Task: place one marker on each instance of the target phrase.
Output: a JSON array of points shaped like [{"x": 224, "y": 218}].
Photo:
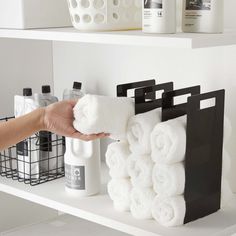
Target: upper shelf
[{"x": 133, "y": 37}]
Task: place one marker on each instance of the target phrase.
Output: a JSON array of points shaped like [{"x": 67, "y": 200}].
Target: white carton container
[
  {"x": 106, "y": 14},
  {"x": 26, "y": 14}
]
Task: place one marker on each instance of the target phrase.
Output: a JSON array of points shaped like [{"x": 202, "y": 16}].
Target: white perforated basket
[{"x": 106, "y": 14}]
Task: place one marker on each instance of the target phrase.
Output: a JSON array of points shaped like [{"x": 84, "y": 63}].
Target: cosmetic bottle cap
[
  {"x": 46, "y": 89},
  {"x": 27, "y": 92},
  {"x": 77, "y": 85}
]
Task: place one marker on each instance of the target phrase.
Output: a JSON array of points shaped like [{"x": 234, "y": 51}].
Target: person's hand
[{"x": 58, "y": 118}]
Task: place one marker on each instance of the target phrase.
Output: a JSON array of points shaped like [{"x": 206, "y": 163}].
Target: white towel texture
[
  {"x": 168, "y": 141},
  {"x": 141, "y": 202},
  {"x": 226, "y": 193},
  {"x": 226, "y": 164},
  {"x": 227, "y": 129},
  {"x": 116, "y": 158},
  {"x": 100, "y": 114},
  {"x": 139, "y": 131},
  {"x": 168, "y": 180},
  {"x": 169, "y": 211},
  {"x": 140, "y": 170},
  {"x": 119, "y": 191}
]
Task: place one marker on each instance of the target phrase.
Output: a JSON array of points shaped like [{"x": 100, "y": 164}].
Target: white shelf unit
[
  {"x": 134, "y": 38},
  {"x": 99, "y": 208}
]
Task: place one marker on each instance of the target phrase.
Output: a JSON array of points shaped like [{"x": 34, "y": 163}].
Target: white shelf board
[
  {"x": 99, "y": 209},
  {"x": 133, "y": 37}
]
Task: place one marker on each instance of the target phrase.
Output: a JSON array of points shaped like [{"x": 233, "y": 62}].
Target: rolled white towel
[
  {"x": 227, "y": 129},
  {"x": 169, "y": 211},
  {"x": 99, "y": 114},
  {"x": 168, "y": 141},
  {"x": 140, "y": 170},
  {"x": 141, "y": 202},
  {"x": 139, "y": 131},
  {"x": 116, "y": 158},
  {"x": 169, "y": 180},
  {"x": 226, "y": 164},
  {"x": 226, "y": 193},
  {"x": 119, "y": 191}
]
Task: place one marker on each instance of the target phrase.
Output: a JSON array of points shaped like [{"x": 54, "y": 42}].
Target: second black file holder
[{"x": 204, "y": 144}]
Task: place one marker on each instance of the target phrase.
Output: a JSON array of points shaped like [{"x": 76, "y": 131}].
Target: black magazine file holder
[
  {"x": 143, "y": 103},
  {"x": 203, "y": 161}
]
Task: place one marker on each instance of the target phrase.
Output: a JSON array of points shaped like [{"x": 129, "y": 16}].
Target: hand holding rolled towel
[
  {"x": 169, "y": 211},
  {"x": 140, "y": 170},
  {"x": 119, "y": 191},
  {"x": 99, "y": 114},
  {"x": 139, "y": 131},
  {"x": 116, "y": 158},
  {"x": 141, "y": 202},
  {"x": 169, "y": 180},
  {"x": 168, "y": 141}
]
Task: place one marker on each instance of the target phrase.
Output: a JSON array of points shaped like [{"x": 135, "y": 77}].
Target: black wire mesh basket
[{"x": 36, "y": 160}]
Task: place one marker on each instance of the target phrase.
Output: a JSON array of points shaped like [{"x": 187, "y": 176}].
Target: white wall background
[{"x": 23, "y": 63}]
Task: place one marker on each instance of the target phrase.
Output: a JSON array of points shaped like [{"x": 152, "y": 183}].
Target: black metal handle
[
  {"x": 122, "y": 89},
  {"x": 171, "y": 111},
  {"x": 141, "y": 94}
]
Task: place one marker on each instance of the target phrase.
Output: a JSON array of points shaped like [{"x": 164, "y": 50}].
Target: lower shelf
[
  {"x": 99, "y": 209},
  {"x": 64, "y": 225}
]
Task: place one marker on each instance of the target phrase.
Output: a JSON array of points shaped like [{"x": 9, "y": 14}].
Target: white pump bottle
[{"x": 82, "y": 160}]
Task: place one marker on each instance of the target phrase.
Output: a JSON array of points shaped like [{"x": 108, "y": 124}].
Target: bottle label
[
  {"x": 22, "y": 148},
  {"x": 153, "y": 4},
  {"x": 152, "y": 13},
  {"x": 45, "y": 140},
  {"x": 193, "y": 5},
  {"x": 75, "y": 177}
]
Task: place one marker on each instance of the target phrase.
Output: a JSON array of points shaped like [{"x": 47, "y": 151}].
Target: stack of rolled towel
[
  {"x": 147, "y": 164},
  {"x": 168, "y": 142},
  {"x": 134, "y": 175}
]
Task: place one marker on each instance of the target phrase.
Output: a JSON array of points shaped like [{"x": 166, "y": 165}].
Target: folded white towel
[
  {"x": 119, "y": 191},
  {"x": 168, "y": 141},
  {"x": 139, "y": 131},
  {"x": 100, "y": 114},
  {"x": 226, "y": 164},
  {"x": 141, "y": 202},
  {"x": 169, "y": 180},
  {"x": 226, "y": 193},
  {"x": 169, "y": 211},
  {"x": 116, "y": 158},
  {"x": 140, "y": 170}
]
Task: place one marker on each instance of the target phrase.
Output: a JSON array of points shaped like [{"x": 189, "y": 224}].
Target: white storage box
[
  {"x": 25, "y": 14},
  {"x": 64, "y": 225},
  {"x": 106, "y": 14}
]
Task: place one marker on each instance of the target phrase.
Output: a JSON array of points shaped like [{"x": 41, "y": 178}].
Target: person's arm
[{"x": 56, "y": 118}]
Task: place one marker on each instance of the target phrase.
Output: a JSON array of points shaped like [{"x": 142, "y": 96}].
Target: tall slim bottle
[{"x": 27, "y": 150}]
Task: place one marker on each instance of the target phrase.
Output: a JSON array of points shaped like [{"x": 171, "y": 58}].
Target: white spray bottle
[{"x": 82, "y": 160}]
